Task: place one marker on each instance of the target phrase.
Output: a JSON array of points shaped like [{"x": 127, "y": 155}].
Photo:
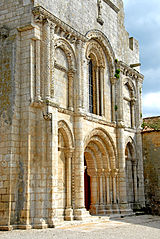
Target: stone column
[
  {"x": 53, "y": 167},
  {"x": 79, "y": 75},
  {"x": 46, "y": 63},
  {"x": 101, "y": 202},
  {"x": 94, "y": 189},
  {"x": 114, "y": 184},
  {"x": 79, "y": 211},
  {"x": 102, "y": 89},
  {"x": 38, "y": 76},
  {"x": 108, "y": 201},
  {"x": 69, "y": 210},
  {"x": 52, "y": 53},
  {"x": 97, "y": 90},
  {"x": 133, "y": 113},
  {"x": 122, "y": 173},
  {"x": 113, "y": 81},
  {"x": 135, "y": 180},
  {"x": 71, "y": 88}
]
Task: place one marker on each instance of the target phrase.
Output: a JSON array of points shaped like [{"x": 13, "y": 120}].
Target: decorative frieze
[{"x": 40, "y": 14}]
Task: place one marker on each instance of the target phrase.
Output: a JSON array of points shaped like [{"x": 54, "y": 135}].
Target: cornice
[
  {"x": 111, "y": 4},
  {"x": 128, "y": 71},
  {"x": 41, "y": 14}
]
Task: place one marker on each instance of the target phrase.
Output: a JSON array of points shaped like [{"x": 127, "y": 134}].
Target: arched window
[{"x": 95, "y": 86}]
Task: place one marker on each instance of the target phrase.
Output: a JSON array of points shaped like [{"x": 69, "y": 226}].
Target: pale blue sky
[{"x": 142, "y": 21}]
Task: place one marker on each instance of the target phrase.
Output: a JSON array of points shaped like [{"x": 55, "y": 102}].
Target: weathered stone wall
[
  {"x": 13, "y": 14},
  {"x": 82, "y": 16},
  {"x": 151, "y": 160}
]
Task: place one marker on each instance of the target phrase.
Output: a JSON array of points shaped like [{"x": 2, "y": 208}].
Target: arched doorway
[
  {"x": 87, "y": 187},
  {"x": 100, "y": 174},
  {"x": 131, "y": 174}
]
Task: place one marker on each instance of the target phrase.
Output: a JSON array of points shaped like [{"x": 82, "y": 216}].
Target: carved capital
[
  {"x": 100, "y": 172},
  {"x": 114, "y": 172},
  {"x": 113, "y": 80},
  {"x": 107, "y": 172},
  {"x": 92, "y": 172}
]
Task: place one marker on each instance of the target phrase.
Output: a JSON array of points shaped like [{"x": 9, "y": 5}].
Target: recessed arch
[
  {"x": 109, "y": 144},
  {"x": 131, "y": 87},
  {"x": 67, "y": 48},
  {"x": 67, "y": 134},
  {"x": 106, "y": 46}
]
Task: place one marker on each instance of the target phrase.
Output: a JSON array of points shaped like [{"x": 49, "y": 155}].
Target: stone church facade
[{"x": 70, "y": 112}]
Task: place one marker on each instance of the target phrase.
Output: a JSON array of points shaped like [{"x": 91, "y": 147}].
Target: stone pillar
[
  {"x": 133, "y": 113},
  {"x": 114, "y": 185},
  {"x": 46, "y": 62},
  {"x": 94, "y": 189},
  {"x": 38, "y": 76},
  {"x": 102, "y": 89},
  {"x": 122, "y": 173},
  {"x": 79, "y": 75},
  {"x": 79, "y": 211},
  {"x": 135, "y": 180},
  {"x": 52, "y": 53},
  {"x": 97, "y": 90},
  {"x": 53, "y": 168},
  {"x": 101, "y": 202},
  {"x": 69, "y": 210},
  {"x": 71, "y": 89},
  {"x": 113, "y": 103},
  {"x": 108, "y": 201}
]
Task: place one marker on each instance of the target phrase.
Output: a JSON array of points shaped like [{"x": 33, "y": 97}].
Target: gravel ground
[{"x": 135, "y": 227}]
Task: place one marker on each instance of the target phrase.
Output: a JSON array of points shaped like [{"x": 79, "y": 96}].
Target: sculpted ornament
[{"x": 99, "y": 19}]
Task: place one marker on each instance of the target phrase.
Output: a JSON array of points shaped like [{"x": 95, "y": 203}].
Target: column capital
[
  {"x": 114, "y": 172},
  {"x": 92, "y": 172},
  {"x": 100, "y": 172},
  {"x": 113, "y": 80},
  {"x": 107, "y": 172}
]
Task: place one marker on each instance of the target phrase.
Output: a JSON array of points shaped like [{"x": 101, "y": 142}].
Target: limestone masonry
[
  {"x": 70, "y": 112},
  {"x": 151, "y": 159}
]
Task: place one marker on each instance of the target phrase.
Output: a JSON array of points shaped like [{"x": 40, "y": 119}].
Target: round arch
[
  {"x": 127, "y": 81},
  {"x": 67, "y": 134},
  {"x": 106, "y": 46},
  {"x": 108, "y": 142},
  {"x": 68, "y": 50}
]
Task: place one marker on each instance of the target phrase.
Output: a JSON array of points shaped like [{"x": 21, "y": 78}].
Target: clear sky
[{"x": 142, "y": 21}]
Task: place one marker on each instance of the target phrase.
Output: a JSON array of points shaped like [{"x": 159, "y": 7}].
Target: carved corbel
[
  {"x": 4, "y": 32},
  {"x": 99, "y": 19}
]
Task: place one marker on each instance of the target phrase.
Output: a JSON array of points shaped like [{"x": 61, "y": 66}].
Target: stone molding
[
  {"x": 41, "y": 14},
  {"x": 111, "y": 4},
  {"x": 130, "y": 72},
  {"x": 4, "y": 32}
]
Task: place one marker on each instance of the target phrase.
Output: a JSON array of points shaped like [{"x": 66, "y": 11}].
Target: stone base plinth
[
  {"x": 40, "y": 223},
  {"x": 81, "y": 214},
  {"x": 68, "y": 214},
  {"x": 93, "y": 209},
  {"x": 6, "y": 228},
  {"x": 24, "y": 227},
  {"x": 125, "y": 209}
]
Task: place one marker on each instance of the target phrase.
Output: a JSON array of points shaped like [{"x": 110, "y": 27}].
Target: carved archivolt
[
  {"x": 66, "y": 47},
  {"x": 103, "y": 41},
  {"x": 94, "y": 48},
  {"x": 100, "y": 136},
  {"x": 130, "y": 85},
  {"x": 67, "y": 134}
]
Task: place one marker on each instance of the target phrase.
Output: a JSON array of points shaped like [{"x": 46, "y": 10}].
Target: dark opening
[{"x": 87, "y": 188}]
